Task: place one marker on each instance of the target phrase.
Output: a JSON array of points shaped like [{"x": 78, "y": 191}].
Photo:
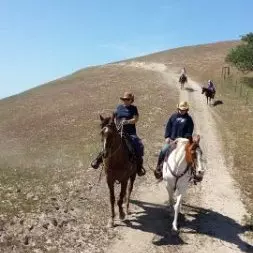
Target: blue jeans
[
  {"x": 138, "y": 145},
  {"x": 165, "y": 148}
]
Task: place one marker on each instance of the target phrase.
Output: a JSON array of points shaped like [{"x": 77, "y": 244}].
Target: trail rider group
[{"x": 179, "y": 124}]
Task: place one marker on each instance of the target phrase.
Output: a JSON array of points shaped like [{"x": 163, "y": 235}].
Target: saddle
[
  {"x": 212, "y": 92},
  {"x": 173, "y": 146}
]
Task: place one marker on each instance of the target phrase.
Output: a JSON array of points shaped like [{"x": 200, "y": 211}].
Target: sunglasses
[{"x": 126, "y": 99}]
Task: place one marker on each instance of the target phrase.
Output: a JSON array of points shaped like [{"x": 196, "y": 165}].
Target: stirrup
[
  {"x": 95, "y": 164},
  {"x": 141, "y": 172}
]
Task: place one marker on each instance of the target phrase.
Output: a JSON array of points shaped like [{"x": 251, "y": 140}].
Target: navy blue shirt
[
  {"x": 127, "y": 112},
  {"x": 179, "y": 125}
]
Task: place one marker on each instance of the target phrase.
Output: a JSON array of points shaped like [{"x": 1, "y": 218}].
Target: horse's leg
[
  {"x": 170, "y": 190},
  {"x": 129, "y": 191},
  {"x": 176, "y": 207},
  {"x": 112, "y": 200},
  {"x": 121, "y": 198}
]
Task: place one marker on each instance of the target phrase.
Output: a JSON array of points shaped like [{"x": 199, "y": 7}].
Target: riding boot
[
  {"x": 140, "y": 170},
  {"x": 130, "y": 149},
  {"x": 158, "y": 171},
  {"x": 97, "y": 161}
]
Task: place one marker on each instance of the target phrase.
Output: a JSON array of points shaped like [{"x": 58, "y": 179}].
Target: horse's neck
[
  {"x": 116, "y": 145},
  {"x": 177, "y": 159}
]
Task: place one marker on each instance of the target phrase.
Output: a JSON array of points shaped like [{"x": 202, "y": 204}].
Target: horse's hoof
[
  {"x": 110, "y": 224},
  {"x": 122, "y": 216},
  {"x": 170, "y": 210},
  {"x": 174, "y": 231}
]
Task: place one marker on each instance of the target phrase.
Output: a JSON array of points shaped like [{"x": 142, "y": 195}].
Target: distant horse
[
  {"x": 209, "y": 94},
  {"x": 182, "y": 80},
  {"x": 183, "y": 164},
  {"x": 117, "y": 165}
]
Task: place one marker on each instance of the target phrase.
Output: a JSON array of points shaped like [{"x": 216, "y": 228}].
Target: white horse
[{"x": 183, "y": 164}]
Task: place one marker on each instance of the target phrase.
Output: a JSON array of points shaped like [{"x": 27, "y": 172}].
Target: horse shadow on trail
[
  {"x": 218, "y": 102},
  {"x": 189, "y": 89},
  {"x": 156, "y": 219}
]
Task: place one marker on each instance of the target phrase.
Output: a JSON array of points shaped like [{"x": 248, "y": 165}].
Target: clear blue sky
[{"x": 41, "y": 40}]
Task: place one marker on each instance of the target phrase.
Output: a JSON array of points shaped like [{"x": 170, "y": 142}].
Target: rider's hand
[
  {"x": 124, "y": 122},
  {"x": 168, "y": 140}
]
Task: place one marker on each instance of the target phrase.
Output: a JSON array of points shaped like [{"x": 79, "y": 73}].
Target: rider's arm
[
  {"x": 133, "y": 120},
  {"x": 168, "y": 128},
  {"x": 135, "y": 117},
  {"x": 190, "y": 127}
]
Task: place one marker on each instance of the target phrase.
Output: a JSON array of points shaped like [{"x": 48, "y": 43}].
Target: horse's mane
[{"x": 180, "y": 142}]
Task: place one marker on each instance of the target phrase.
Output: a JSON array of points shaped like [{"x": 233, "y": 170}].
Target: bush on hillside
[{"x": 242, "y": 56}]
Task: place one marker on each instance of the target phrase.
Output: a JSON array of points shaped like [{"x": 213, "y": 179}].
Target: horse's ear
[
  {"x": 196, "y": 138},
  {"x": 101, "y": 117}
]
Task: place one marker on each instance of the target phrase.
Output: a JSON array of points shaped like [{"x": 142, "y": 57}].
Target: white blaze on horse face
[
  {"x": 105, "y": 132},
  {"x": 200, "y": 167}
]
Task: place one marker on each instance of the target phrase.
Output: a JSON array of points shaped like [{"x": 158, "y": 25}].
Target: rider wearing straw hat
[
  {"x": 127, "y": 115},
  {"x": 180, "y": 124}
]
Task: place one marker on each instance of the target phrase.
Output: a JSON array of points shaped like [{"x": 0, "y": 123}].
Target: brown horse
[
  {"x": 209, "y": 94},
  {"x": 182, "y": 80},
  {"x": 117, "y": 165}
]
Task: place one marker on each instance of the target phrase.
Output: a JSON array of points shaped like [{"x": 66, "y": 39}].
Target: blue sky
[{"x": 41, "y": 40}]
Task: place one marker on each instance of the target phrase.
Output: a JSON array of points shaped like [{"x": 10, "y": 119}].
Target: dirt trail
[{"x": 213, "y": 210}]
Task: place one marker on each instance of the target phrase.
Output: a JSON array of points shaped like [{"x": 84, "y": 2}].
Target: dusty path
[{"x": 213, "y": 210}]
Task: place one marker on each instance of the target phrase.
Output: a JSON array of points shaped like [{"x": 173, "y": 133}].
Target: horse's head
[
  {"x": 203, "y": 90},
  {"x": 108, "y": 132},
  {"x": 194, "y": 157}
]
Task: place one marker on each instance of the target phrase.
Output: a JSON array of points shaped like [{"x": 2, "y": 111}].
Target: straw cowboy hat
[
  {"x": 127, "y": 96},
  {"x": 183, "y": 106}
]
